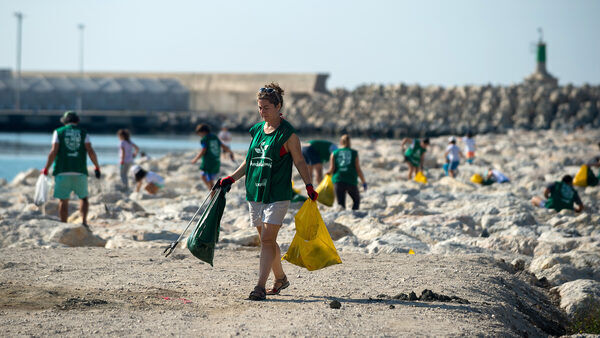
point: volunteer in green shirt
(210, 154)
(315, 154)
(345, 167)
(70, 145)
(560, 195)
(268, 170)
(414, 154)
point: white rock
(22, 177)
(565, 267)
(579, 295)
(75, 235)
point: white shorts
(272, 213)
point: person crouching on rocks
(345, 168)
(70, 145)
(415, 154)
(268, 170)
(153, 181)
(559, 195)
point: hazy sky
(444, 42)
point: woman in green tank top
(345, 168)
(268, 170)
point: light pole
(81, 27)
(19, 16)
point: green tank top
(345, 166)
(561, 197)
(211, 161)
(269, 175)
(414, 152)
(71, 155)
(323, 148)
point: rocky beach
(523, 270)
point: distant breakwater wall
(370, 110)
(412, 110)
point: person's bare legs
(452, 173)
(536, 201)
(84, 206)
(63, 210)
(411, 170)
(268, 253)
(276, 267)
(319, 170)
(207, 182)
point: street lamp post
(81, 27)
(19, 16)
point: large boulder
(75, 235)
(22, 177)
(565, 267)
(579, 296)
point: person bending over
(560, 195)
(414, 154)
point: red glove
(45, 171)
(226, 182)
(311, 192)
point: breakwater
(413, 110)
(371, 110)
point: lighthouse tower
(541, 75)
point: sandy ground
(97, 291)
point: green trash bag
(205, 236)
(592, 180)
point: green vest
(561, 197)
(345, 166)
(269, 175)
(211, 161)
(71, 150)
(414, 152)
(323, 149)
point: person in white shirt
(154, 182)
(452, 155)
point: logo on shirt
(73, 141)
(566, 193)
(214, 147)
(262, 150)
(344, 158)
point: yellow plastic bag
(326, 191)
(581, 177)
(420, 177)
(477, 179)
(312, 247)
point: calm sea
(21, 151)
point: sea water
(22, 151)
